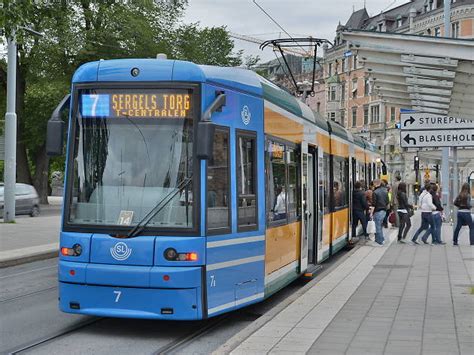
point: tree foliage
(79, 31)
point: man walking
(398, 178)
(380, 201)
(359, 206)
(427, 207)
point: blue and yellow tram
(195, 190)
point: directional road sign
(437, 138)
(429, 121)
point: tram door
(308, 241)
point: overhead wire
(276, 23)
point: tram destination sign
(428, 121)
(437, 138)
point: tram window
(276, 179)
(218, 216)
(325, 181)
(293, 186)
(246, 181)
(341, 182)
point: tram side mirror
(55, 129)
(205, 139)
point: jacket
(437, 203)
(359, 201)
(426, 202)
(380, 199)
(395, 193)
(463, 203)
(403, 201)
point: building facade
(351, 98)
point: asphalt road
(29, 313)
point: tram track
(28, 294)
(56, 335)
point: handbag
(371, 227)
(392, 218)
(411, 211)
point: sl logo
(245, 115)
(120, 251)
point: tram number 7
(117, 295)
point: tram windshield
(132, 148)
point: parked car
(26, 197)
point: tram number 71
(117, 295)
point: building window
(374, 114)
(366, 115)
(399, 22)
(218, 187)
(332, 116)
(354, 88)
(392, 114)
(246, 181)
(437, 32)
(455, 29)
(366, 87)
(343, 118)
(380, 27)
(329, 69)
(332, 93)
(343, 65)
(354, 62)
(343, 91)
(318, 107)
(354, 116)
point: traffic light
(417, 163)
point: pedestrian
(464, 204)
(425, 202)
(359, 207)
(437, 219)
(395, 185)
(388, 208)
(404, 211)
(380, 201)
(368, 195)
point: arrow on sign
(411, 120)
(408, 139)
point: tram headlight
(76, 250)
(171, 254)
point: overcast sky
(318, 18)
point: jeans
(438, 222)
(357, 216)
(464, 219)
(426, 224)
(378, 219)
(405, 225)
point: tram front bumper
(172, 293)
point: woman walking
(463, 203)
(437, 220)
(404, 211)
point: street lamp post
(10, 135)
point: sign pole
(445, 182)
(10, 134)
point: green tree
(78, 31)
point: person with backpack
(404, 211)
(380, 201)
(437, 219)
(464, 204)
(425, 202)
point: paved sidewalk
(30, 239)
(401, 299)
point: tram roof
(358, 141)
(240, 79)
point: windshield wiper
(158, 208)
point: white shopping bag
(371, 227)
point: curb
(238, 338)
(27, 255)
